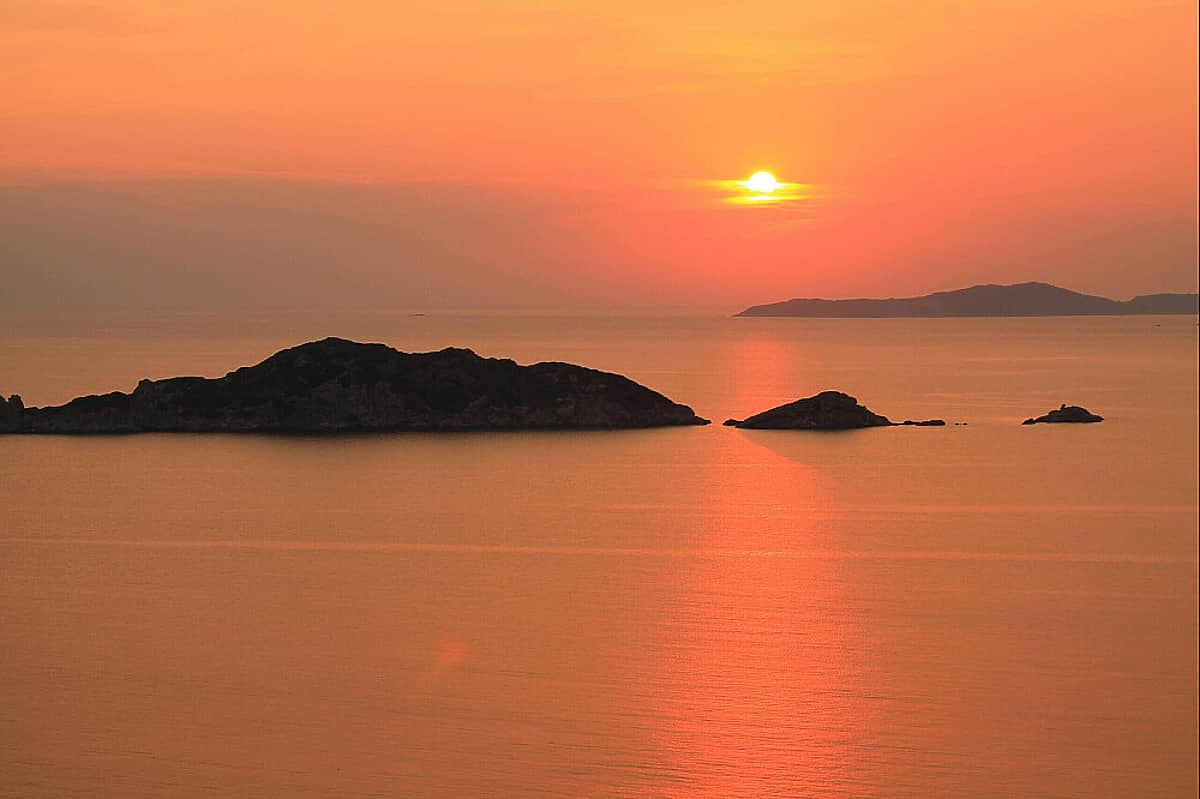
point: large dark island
(335, 385)
(1021, 299)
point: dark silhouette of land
(1066, 414)
(335, 385)
(829, 410)
(1021, 299)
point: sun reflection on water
(761, 685)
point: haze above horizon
(499, 154)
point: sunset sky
(220, 154)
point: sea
(984, 609)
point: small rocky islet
(1066, 414)
(335, 385)
(828, 410)
(835, 410)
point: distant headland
(1020, 299)
(335, 385)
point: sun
(761, 190)
(762, 182)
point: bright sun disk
(762, 182)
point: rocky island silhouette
(1066, 414)
(335, 385)
(828, 410)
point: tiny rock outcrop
(829, 410)
(335, 385)
(1066, 414)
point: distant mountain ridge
(1019, 299)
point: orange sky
(557, 152)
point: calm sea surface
(987, 610)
